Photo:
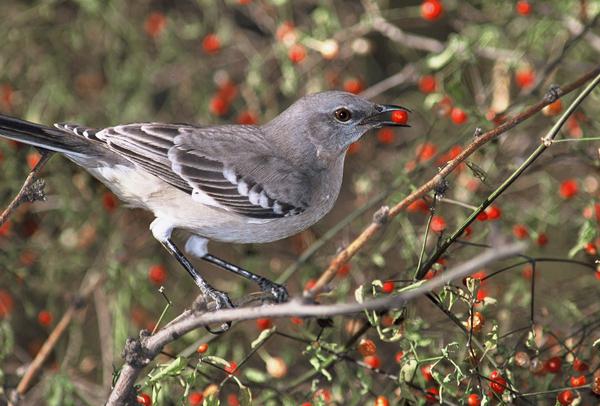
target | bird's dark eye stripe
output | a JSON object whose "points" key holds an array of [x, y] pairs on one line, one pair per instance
{"points": [[343, 114]]}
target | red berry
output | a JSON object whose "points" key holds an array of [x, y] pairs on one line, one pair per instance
{"points": [[195, 398], [520, 231], [6, 303], [109, 201], [438, 224], [577, 381], [45, 318], [202, 348], [372, 361], [527, 272], [382, 401], [427, 84], [343, 270], [232, 400], [525, 78], [231, 368], [426, 373], [481, 295], [579, 365], [552, 109], [426, 151], [568, 188], [211, 44], [482, 216], [431, 395], [497, 382], [493, 212], [157, 274], [523, 7], [553, 365], [542, 239], [144, 399], [6, 98], [32, 159], [155, 24], [353, 86], [310, 284], [219, 106], [399, 116], [458, 116], [385, 136], [264, 324], [5, 228], [297, 53], [247, 118], [323, 394], [399, 356], [431, 10], [590, 248], [388, 287], [367, 347], [473, 400], [284, 31], [354, 148], [565, 397], [418, 205]]}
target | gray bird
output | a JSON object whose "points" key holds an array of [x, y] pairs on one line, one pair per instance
{"points": [[231, 183]]}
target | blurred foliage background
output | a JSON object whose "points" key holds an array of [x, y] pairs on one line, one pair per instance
{"points": [[457, 64]]}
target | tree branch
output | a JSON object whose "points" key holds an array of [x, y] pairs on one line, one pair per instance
{"points": [[139, 352], [372, 229], [31, 190]]}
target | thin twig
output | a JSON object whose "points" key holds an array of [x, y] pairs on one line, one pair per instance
{"points": [[372, 229], [77, 303], [26, 194], [139, 353]]}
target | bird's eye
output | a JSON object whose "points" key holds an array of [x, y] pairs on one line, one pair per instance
{"points": [[343, 114]]}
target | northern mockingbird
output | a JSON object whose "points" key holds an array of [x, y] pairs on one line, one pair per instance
{"points": [[231, 183]]}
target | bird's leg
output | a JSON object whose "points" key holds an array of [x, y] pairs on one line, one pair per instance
{"points": [[278, 292], [221, 299], [197, 246], [162, 230]]}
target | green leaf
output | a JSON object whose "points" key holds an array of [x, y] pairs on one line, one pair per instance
{"points": [[262, 337], [587, 233], [218, 361], [407, 371], [255, 375], [456, 46], [173, 368], [212, 400], [245, 393]]}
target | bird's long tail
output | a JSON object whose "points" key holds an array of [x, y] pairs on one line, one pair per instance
{"points": [[42, 136]]}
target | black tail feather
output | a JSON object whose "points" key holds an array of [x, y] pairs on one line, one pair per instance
{"points": [[41, 136]]}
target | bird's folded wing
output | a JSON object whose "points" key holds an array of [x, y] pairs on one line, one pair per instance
{"points": [[230, 167]]}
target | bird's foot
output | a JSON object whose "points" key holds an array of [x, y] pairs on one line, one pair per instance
{"points": [[217, 300], [278, 293]]}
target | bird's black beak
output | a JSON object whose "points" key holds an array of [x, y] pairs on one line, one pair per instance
{"points": [[388, 115]]}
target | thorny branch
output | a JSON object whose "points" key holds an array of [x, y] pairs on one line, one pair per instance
{"points": [[139, 352], [372, 229], [32, 189]]}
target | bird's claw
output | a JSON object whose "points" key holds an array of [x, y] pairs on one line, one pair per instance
{"points": [[277, 291], [218, 300]]}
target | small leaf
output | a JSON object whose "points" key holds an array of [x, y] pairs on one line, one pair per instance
{"points": [[173, 368], [477, 171], [263, 336], [587, 232], [407, 371]]}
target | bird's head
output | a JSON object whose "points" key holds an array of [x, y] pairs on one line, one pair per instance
{"points": [[333, 120]]}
